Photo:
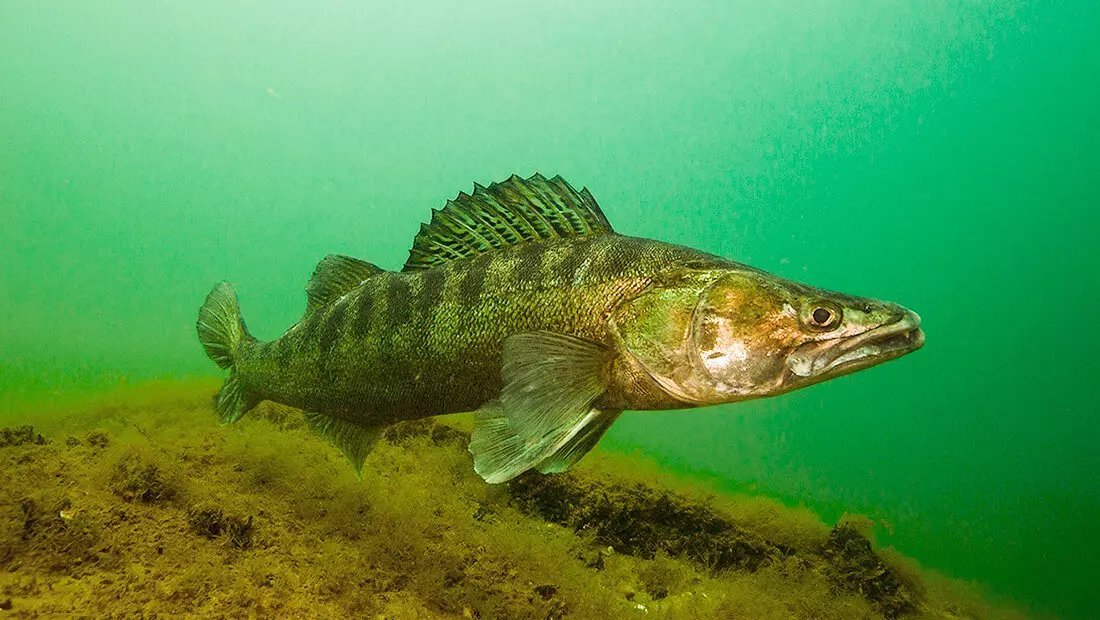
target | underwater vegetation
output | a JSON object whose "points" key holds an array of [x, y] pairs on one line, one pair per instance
{"points": [[138, 504]]}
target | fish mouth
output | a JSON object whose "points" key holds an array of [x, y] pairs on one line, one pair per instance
{"points": [[833, 358]]}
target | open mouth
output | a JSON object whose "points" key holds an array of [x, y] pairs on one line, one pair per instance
{"points": [[833, 358]]}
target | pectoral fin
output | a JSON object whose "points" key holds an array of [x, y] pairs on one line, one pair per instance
{"points": [[584, 438], [550, 384], [500, 453]]}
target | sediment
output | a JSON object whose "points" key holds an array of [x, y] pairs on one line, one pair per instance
{"points": [[140, 505]]}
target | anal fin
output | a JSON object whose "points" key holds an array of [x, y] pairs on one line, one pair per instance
{"points": [[233, 401], [354, 440]]}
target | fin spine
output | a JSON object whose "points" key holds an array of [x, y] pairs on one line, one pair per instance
{"points": [[505, 214]]}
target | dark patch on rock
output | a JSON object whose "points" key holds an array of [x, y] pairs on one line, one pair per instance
{"points": [[641, 521], [558, 610], [402, 433], [135, 479], [443, 435], [282, 416], [453, 577], [854, 566], [546, 591], [597, 560], [37, 520], [97, 439], [6, 604], [213, 523], [484, 513], [21, 435]]}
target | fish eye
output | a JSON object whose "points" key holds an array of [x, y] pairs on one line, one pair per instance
{"points": [[824, 318]]}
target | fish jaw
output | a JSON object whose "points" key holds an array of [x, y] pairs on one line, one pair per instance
{"points": [[819, 361]]}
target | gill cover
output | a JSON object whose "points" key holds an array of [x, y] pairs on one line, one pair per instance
{"points": [[727, 335], [743, 327], [655, 332]]}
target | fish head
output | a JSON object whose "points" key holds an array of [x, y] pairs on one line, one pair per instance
{"points": [[748, 334]]}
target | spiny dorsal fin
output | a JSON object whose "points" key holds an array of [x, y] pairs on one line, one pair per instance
{"points": [[505, 214], [334, 276]]}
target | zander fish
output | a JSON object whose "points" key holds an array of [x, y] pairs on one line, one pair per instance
{"points": [[521, 303]]}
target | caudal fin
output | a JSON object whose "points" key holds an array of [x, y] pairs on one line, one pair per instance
{"points": [[221, 332]]}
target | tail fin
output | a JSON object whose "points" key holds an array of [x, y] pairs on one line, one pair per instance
{"points": [[221, 332]]}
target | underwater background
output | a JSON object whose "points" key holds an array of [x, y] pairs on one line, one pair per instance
{"points": [[945, 156]]}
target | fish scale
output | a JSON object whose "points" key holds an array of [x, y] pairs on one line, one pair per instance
{"points": [[520, 302], [358, 368]]}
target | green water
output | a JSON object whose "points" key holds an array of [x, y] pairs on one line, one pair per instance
{"points": [[941, 155]]}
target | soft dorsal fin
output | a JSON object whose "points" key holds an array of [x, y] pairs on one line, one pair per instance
{"points": [[334, 276], [504, 214]]}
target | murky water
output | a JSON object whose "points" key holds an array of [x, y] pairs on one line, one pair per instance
{"points": [[944, 157]]}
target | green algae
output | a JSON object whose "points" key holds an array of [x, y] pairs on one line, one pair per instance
{"points": [[140, 504]]}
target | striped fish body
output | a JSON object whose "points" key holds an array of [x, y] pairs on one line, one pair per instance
{"points": [[519, 301], [405, 345]]}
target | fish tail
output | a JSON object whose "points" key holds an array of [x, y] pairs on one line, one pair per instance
{"points": [[222, 333]]}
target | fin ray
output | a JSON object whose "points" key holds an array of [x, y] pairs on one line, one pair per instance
{"points": [[355, 441], [502, 453], [549, 377], [580, 444], [220, 327], [504, 214], [499, 453], [551, 381], [233, 401], [223, 334], [334, 277]]}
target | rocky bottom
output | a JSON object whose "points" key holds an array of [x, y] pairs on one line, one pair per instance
{"points": [[138, 504]]}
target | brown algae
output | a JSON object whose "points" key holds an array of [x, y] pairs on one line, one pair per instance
{"points": [[140, 504]]}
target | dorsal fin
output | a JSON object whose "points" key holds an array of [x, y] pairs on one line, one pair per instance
{"points": [[334, 276], [504, 214]]}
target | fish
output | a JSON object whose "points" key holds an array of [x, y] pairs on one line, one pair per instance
{"points": [[521, 304]]}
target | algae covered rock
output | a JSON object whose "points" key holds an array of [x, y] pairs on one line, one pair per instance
{"points": [[54, 537], [19, 436], [136, 477], [214, 523], [855, 566], [168, 520], [643, 521]]}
